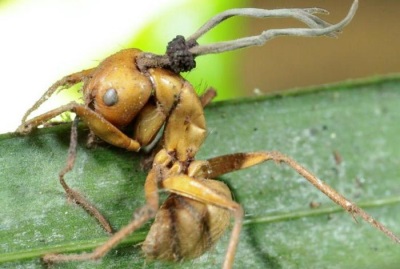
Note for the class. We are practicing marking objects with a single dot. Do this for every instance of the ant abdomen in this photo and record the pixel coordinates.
(184, 229)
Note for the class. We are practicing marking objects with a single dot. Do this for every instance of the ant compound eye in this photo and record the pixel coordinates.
(110, 98)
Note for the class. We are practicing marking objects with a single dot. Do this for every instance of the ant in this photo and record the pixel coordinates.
(130, 96)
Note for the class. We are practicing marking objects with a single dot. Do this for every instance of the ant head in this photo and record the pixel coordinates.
(118, 90)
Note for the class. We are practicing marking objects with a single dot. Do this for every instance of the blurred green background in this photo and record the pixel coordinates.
(44, 40)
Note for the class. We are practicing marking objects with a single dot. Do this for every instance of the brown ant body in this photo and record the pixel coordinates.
(130, 96)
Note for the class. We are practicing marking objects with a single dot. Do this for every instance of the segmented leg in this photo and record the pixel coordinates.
(97, 124)
(141, 216)
(64, 83)
(72, 194)
(228, 163)
(100, 127)
(208, 96)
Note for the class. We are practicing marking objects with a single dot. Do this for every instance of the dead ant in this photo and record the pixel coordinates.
(143, 92)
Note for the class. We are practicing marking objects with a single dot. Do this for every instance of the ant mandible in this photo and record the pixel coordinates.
(142, 92)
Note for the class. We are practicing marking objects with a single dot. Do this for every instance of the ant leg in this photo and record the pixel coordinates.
(65, 82)
(199, 191)
(141, 216)
(72, 194)
(208, 96)
(228, 163)
(100, 126)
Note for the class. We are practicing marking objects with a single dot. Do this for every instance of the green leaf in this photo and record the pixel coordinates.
(358, 122)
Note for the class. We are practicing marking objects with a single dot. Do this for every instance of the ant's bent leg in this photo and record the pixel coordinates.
(64, 83)
(72, 194)
(27, 126)
(200, 191)
(228, 163)
(208, 96)
(141, 216)
(100, 126)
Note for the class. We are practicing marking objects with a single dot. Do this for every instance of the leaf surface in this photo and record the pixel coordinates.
(347, 135)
